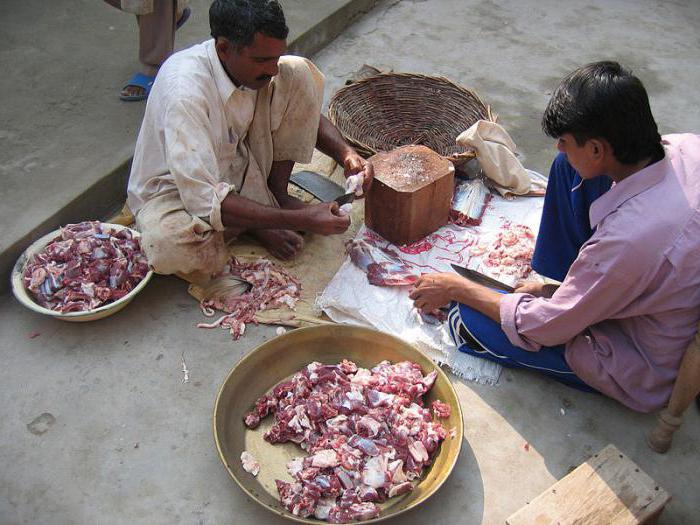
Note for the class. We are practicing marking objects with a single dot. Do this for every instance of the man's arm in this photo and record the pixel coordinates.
(241, 214)
(278, 182)
(601, 282)
(191, 158)
(437, 290)
(331, 142)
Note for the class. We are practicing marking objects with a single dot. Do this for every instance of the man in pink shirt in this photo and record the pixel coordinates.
(629, 303)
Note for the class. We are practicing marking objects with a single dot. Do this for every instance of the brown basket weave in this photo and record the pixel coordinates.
(389, 110)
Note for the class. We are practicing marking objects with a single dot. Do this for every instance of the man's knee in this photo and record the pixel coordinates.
(175, 245)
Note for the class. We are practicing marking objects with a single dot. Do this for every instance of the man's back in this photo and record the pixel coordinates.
(647, 245)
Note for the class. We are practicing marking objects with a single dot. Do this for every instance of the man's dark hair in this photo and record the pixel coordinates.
(605, 101)
(239, 20)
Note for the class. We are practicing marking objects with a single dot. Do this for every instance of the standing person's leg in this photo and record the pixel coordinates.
(157, 35)
(156, 44)
(565, 224)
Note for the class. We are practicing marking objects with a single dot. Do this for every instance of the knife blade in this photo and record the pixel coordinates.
(320, 186)
(480, 278)
(345, 198)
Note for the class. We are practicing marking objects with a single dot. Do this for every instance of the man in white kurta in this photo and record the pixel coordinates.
(210, 145)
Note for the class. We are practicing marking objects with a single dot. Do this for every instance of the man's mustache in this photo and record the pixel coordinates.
(264, 77)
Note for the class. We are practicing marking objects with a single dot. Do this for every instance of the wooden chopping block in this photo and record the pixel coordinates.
(608, 488)
(411, 194)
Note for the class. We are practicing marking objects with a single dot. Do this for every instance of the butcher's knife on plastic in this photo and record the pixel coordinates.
(317, 185)
(480, 278)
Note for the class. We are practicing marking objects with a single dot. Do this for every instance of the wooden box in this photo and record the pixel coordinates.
(608, 488)
(411, 194)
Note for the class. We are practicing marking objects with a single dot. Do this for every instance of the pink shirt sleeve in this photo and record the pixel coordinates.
(603, 279)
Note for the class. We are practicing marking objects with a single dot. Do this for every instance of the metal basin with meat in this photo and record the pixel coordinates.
(281, 357)
(24, 297)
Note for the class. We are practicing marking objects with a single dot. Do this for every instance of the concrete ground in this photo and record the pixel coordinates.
(65, 137)
(97, 426)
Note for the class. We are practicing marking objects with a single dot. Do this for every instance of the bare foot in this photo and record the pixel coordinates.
(283, 244)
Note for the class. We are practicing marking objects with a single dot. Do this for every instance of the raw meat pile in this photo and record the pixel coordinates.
(271, 287)
(469, 203)
(367, 434)
(510, 253)
(87, 266)
(383, 266)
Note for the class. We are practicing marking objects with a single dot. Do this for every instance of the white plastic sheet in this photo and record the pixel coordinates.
(350, 299)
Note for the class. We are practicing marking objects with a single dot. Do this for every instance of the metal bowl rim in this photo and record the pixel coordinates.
(22, 295)
(441, 373)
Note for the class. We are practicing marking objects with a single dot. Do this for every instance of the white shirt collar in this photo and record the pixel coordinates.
(223, 82)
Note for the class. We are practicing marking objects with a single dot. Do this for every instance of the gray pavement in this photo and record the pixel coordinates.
(97, 426)
(65, 137)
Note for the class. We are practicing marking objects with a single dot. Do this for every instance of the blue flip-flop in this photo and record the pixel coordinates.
(139, 80)
(186, 12)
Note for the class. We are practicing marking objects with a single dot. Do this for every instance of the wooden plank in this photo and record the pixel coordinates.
(607, 489)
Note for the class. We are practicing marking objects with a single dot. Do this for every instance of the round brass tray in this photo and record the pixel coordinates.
(279, 358)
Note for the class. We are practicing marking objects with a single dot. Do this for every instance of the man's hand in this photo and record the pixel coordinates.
(353, 164)
(324, 219)
(331, 142)
(436, 290)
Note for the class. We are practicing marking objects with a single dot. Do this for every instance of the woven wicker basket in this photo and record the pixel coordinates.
(389, 110)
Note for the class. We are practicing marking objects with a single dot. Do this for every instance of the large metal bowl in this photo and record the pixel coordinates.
(281, 357)
(26, 299)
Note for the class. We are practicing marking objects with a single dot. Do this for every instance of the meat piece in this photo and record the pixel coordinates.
(396, 471)
(339, 424)
(251, 420)
(366, 493)
(418, 451)
(250, 464)
(330, 485)
(353, 184)
(375, 473)
(325, 458)
(365, 445)
(344, 477)
(441, 410)
(383, 266)
(401, 488)
(86, 266)
(380, 399)
(270, 287)
(296, 498)
(510, 252)
(368, 426)
(429, 380)
(323, 508)
(295, 466)
(355, 512)
(367, 434)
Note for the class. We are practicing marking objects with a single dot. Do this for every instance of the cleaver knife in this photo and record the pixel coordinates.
(480, 278)
(345, 199)
(321, 187)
